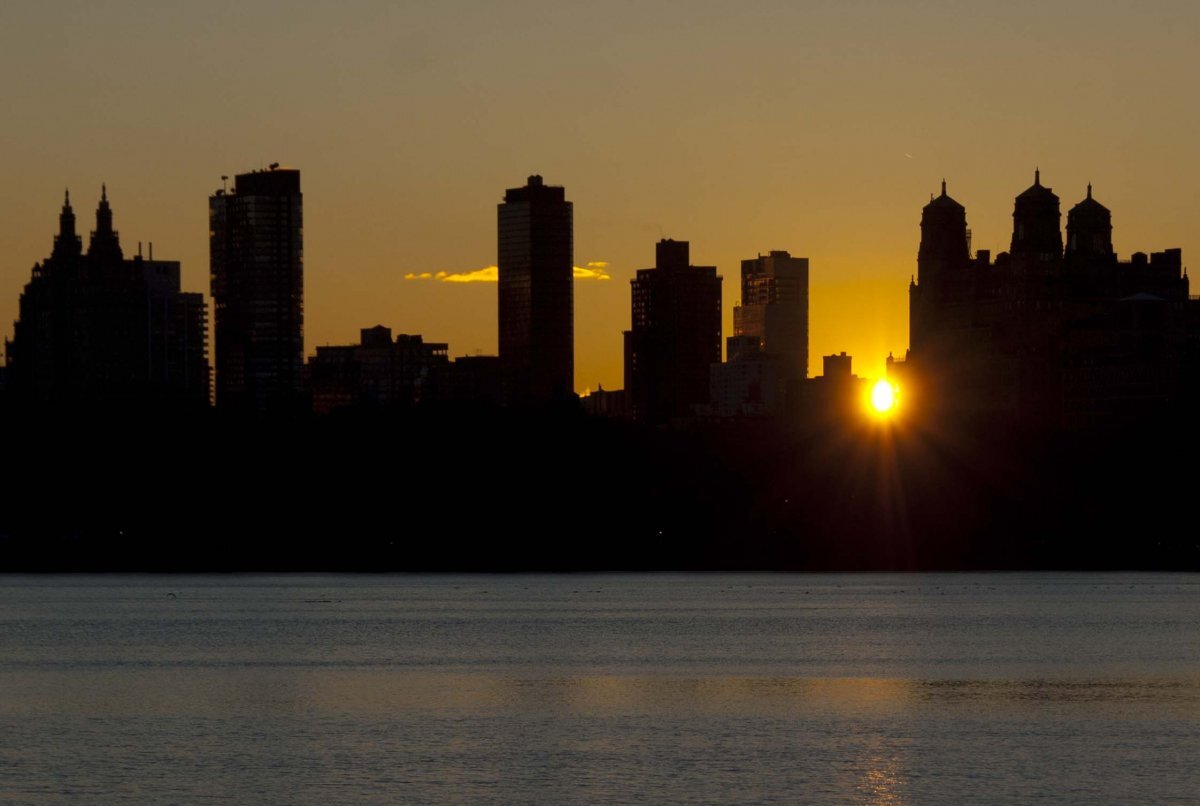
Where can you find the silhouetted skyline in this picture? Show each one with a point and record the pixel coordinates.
(819, 128)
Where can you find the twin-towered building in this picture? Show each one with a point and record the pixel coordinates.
(99, 331)
(1048, 332)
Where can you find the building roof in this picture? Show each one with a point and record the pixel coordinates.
(1037, 190)
(1089, 204)
(944, 201)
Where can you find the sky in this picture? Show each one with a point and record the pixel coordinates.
(816, 127)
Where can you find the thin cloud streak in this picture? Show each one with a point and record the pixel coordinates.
(594, 270)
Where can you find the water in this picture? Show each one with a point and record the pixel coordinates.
(584, 689)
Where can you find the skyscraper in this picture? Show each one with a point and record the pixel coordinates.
(98, 331)
(675, 335)
(536, 314)
(774, 309)
(256, 249)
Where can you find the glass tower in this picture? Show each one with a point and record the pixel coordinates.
(256, 248)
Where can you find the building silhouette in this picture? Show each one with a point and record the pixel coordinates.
(97, 330)
(536, 313)
(774, 309)
(1044, 333)
(612, 403)
(377, 373)
(837, 394)
(749, 383)
(471, 381)
(767, 355)
(675, 335)
(256, 249)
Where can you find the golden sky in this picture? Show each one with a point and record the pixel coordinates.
(815, 127)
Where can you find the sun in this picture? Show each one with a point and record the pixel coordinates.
(883, 398)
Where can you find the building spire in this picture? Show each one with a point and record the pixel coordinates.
(104, 212)
(66, 242)
(943, 186)
(1037, 177)
(105, 244)
(1089, 190)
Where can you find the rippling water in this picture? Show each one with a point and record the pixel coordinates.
(858, 689)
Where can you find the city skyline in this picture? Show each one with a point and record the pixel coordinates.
(409, 122)
(560, 401)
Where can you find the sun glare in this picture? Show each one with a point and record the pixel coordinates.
(883, 398)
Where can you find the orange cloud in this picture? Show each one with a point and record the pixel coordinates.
(594, 270)
(488, 274)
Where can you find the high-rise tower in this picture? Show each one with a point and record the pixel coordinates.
(536, 312)
(675, 335)
(774, 309)
(256, 249)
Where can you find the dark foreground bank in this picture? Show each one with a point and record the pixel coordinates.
(488, 491)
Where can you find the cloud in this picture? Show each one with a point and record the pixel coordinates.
(594, 270)
(488, 274)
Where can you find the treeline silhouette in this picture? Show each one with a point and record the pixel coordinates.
(506, 490)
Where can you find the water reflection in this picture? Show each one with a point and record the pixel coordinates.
(883, 782)
(545, 689)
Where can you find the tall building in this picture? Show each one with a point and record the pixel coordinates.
(536, 314)
(675, 335)
(774, 309)
(256, 249)
(97, 330)
(1045, 334)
